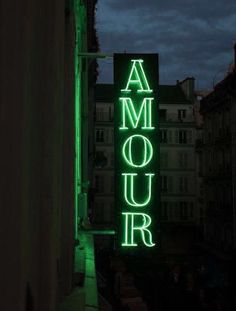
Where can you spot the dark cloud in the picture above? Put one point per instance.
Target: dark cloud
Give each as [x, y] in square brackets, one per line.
[194, 39]
[207, 9]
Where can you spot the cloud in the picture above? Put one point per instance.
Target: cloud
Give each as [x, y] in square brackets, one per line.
[194, 39]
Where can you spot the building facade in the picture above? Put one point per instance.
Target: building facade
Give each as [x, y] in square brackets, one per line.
[219, 113]
[44, 85]
[103, 180]
[177, 166]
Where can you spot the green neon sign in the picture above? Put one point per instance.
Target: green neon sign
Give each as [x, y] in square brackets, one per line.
[137, 78]
[129, 113]
[136, 150]
[131, 227]
[146, 151]
[129, 189]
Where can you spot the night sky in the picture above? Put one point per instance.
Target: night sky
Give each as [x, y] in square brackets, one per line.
[193, 37]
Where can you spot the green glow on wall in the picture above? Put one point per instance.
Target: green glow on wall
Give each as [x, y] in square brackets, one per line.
[137, 78]
[130, 228]
[128, 148]
[80, 25]
[145, 111]
[136, 149]
[129, 189]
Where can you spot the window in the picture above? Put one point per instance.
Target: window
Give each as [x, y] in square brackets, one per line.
[163, 136]
[183, 210]
[100, 135]
[169, 136]
[176, 210]
[170, 211]
[183, 159]
[164, 210]
[100, 116]
[99, 183]
[111, 113]
[163, 160]
[163, 183]
[181, 114]
[170, 183]
[112, 184]
[183, 184]
[191, 213]
[166, 184]
[100, 159]
[111, 135]
[182, 137]
[112, 159]
[162, 115]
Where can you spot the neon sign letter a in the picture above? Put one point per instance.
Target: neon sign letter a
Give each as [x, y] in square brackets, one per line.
[137, 78]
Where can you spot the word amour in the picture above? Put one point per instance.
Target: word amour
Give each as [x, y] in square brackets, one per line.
[136, 103]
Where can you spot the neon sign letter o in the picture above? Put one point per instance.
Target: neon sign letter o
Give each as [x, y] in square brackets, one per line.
[147, 150]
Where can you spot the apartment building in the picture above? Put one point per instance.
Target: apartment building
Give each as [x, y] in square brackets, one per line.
[219, 112]
[177, 166]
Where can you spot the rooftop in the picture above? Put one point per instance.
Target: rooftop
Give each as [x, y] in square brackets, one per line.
[168, 94]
